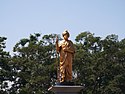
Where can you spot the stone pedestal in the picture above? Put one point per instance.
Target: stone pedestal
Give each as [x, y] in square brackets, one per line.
[64, 89]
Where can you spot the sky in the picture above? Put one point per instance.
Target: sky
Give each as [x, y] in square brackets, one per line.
[20, 18]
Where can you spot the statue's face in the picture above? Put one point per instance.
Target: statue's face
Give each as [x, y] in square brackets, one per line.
[66, 37]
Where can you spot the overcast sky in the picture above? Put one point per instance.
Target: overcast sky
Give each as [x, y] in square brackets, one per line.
[20, 18]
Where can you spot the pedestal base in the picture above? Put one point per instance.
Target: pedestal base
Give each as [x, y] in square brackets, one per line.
[64, 89]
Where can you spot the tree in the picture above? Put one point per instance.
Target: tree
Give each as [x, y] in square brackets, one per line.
[86, 46]
[99, 64]
[34, 63]
[5, 68]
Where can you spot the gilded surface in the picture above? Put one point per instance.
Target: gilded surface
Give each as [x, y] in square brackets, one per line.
[66, 51]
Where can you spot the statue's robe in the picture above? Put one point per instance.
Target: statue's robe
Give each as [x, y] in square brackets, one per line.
[66, 51]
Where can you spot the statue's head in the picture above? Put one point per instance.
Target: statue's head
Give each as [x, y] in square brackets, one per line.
[65, 32]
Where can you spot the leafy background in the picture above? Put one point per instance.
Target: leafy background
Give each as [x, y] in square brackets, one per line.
[99, 64]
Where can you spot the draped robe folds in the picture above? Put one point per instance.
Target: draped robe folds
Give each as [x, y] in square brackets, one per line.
[66, 51]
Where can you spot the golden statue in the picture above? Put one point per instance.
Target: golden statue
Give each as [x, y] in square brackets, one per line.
[66, 50]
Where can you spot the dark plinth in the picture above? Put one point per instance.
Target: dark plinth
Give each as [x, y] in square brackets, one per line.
[65, 89]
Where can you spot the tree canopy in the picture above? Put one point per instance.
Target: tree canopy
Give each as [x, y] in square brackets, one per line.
[99, 64]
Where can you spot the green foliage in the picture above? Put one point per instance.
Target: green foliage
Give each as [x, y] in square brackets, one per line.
[34, 63]
[5, 68]
[99, 64]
